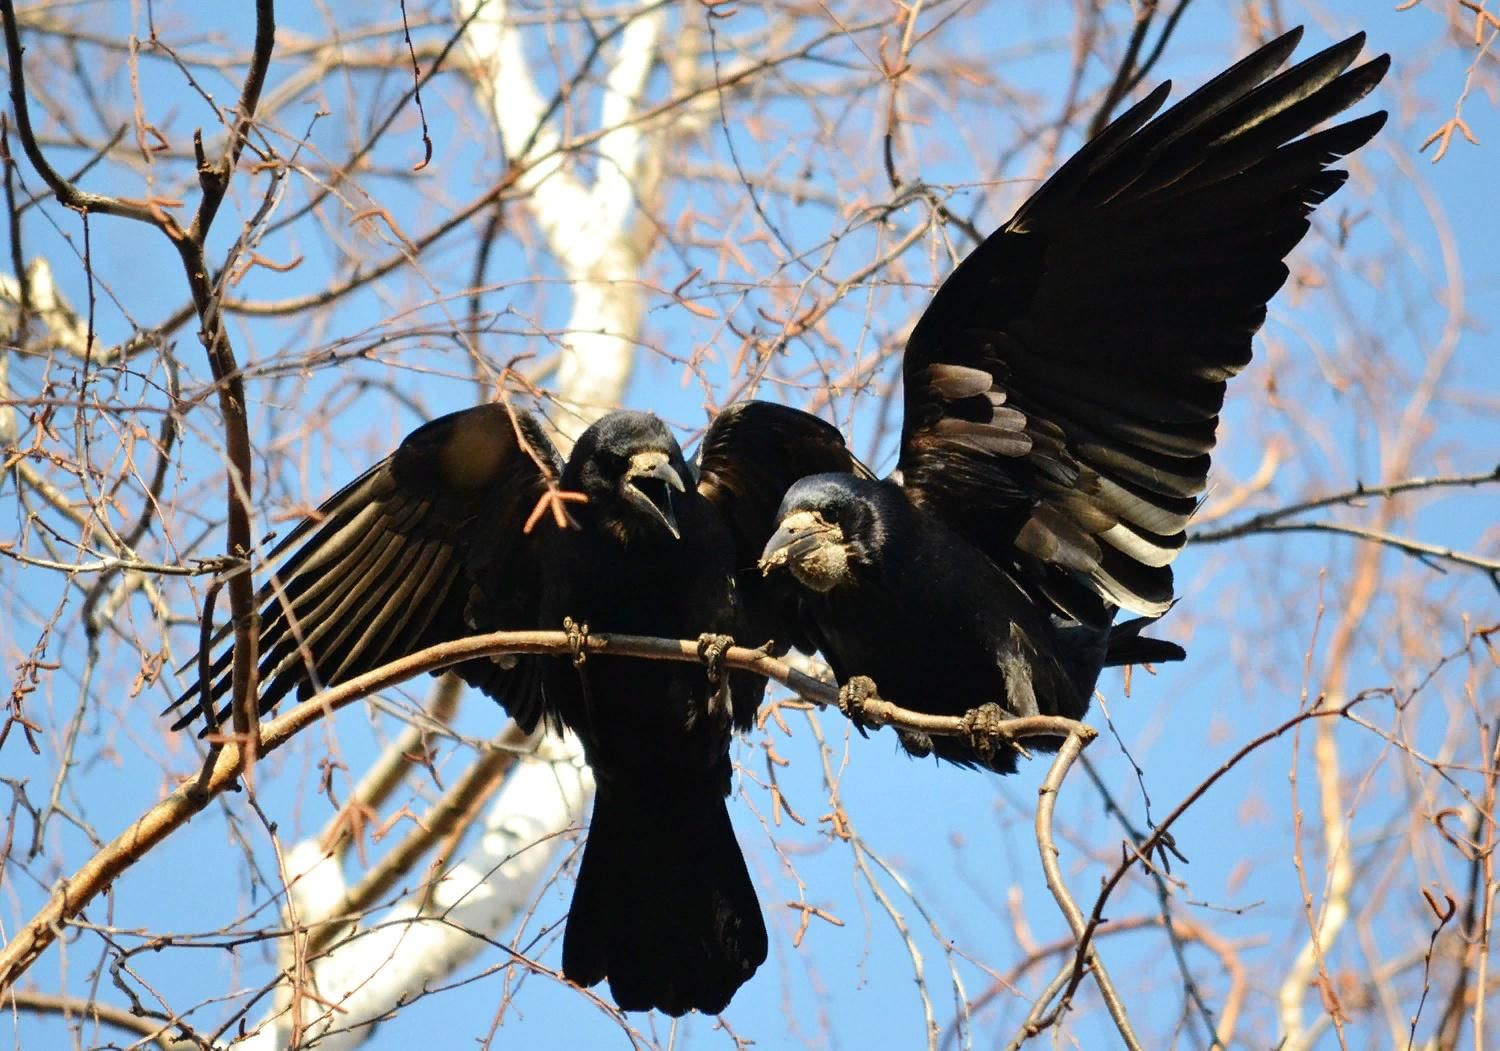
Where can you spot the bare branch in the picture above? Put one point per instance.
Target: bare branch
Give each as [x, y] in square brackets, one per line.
[1355, 496]
[229, 762]
[1039, 1018]
[157, 1031]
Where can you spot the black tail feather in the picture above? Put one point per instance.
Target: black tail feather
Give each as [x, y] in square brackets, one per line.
[664, 907]
[1128, 646]
[1085, 651]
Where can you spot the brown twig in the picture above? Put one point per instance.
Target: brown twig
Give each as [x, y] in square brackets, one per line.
[1047, 846]
[1218, 1032]
[213, 178]
[1188, 930]
[1128, 74]
[1418, 549]
[445, 816]
[1275, 521]
[156, 1030]
[412, 748]
[1157, 839]
[1360, 492]
[69, 195]
[228, 764]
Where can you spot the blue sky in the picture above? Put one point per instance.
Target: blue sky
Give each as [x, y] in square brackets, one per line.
[1342, 358]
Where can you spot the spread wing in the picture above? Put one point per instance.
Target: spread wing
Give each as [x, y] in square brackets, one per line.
[425, 547]
[751, 454]
[1064, 385]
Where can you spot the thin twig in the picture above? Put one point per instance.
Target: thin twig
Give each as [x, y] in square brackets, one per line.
[1260, 522]
[1047, 847]
[1155, 841]
[156, 1030]
[461, 801]
[224, 770]
[213, 178]
[68, 195]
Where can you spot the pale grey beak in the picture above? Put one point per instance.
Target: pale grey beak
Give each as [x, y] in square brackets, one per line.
[801, 533]
[790, 542]
[648, 483]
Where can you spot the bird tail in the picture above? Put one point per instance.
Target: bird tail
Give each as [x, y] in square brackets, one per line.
[664, 907]
[1128, 646]
[1085, 651]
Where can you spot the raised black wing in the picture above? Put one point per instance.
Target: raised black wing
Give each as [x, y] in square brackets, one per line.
[1063, 388]
[750, 456]
[425, 547]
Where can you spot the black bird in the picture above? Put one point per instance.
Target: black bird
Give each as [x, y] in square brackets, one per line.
[1062, 391]
[429, 546]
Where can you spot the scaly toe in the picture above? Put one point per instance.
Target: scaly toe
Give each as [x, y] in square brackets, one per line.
[711, 650]
[852, 697]
[984, 728]
[578, 639]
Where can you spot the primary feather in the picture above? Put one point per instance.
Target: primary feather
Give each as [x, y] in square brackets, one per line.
[1062, 394]
[429, 546]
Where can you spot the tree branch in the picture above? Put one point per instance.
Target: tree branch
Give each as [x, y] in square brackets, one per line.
[75, 892]
[1047, 847]
[1360, 492]
[156, 1030]
[1275, 521]
[191, 245]
[67, 194]
[1418, 549]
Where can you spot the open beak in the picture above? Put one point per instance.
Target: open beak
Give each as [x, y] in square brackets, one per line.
[801, 533]
[648, 483]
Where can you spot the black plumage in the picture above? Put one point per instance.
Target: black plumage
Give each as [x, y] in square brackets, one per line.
[1061, 398]
[1062, 393]
[429, 545]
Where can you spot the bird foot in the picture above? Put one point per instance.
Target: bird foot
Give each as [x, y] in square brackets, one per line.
[578, 639]
[984, 728]
[711, 650]
[854, 696]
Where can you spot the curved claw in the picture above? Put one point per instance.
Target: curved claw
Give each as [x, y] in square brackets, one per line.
[852, 697]
[720, 705]
[984, 728]
[578, 640]
[711, 650]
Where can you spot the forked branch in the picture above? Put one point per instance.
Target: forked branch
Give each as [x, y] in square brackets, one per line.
[75, 892]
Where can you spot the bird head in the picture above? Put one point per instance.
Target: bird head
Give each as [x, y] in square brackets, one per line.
[630, 467]
[826, 529]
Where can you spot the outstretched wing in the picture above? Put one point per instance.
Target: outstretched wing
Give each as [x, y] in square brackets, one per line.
[426, 546]
[1064, 386]
[750, 456]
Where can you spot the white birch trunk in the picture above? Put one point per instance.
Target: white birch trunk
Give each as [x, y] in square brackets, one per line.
[591, 231]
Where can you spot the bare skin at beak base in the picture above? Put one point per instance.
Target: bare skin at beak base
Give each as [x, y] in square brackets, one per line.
[655, 469]
[811, 547]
